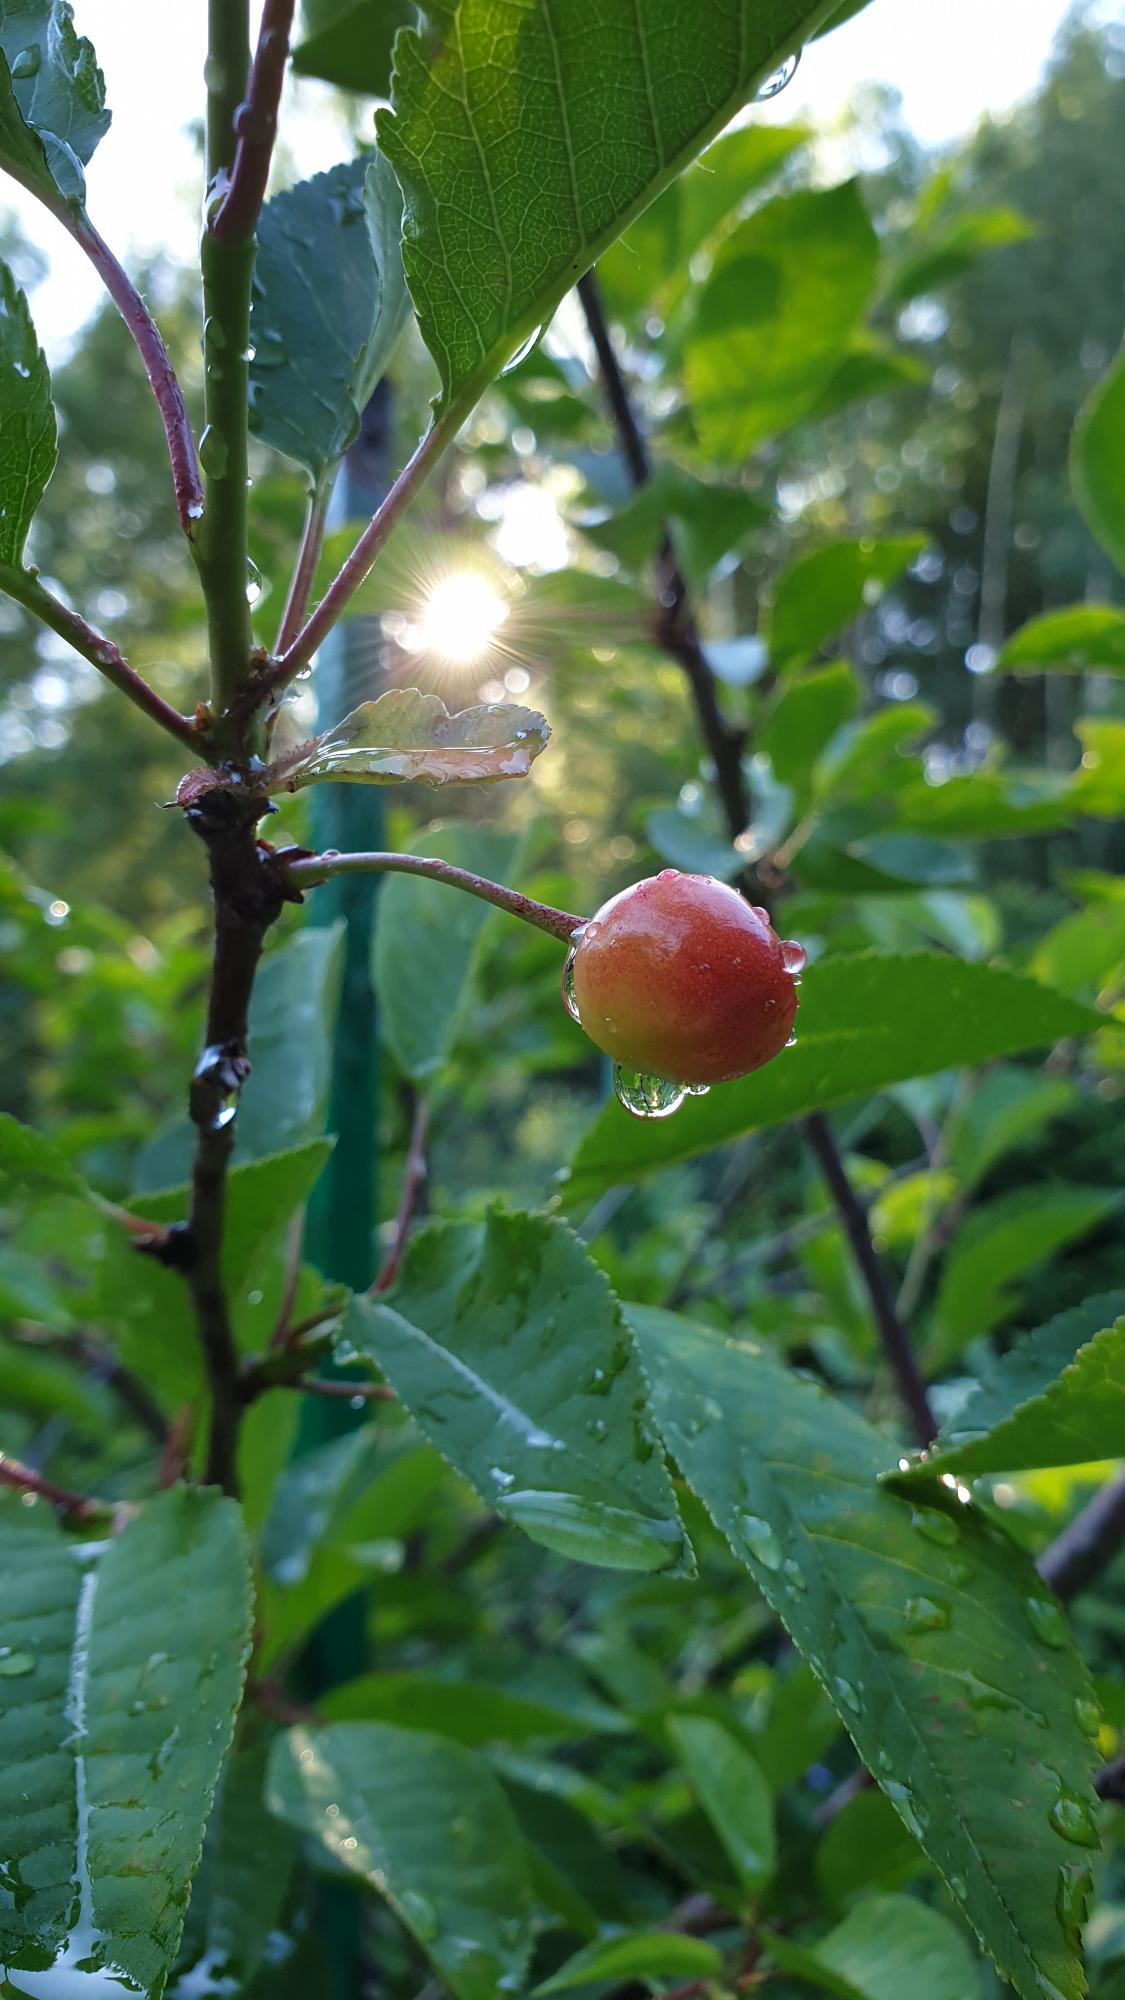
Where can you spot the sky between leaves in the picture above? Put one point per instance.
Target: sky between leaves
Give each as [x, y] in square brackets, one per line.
[952, 60]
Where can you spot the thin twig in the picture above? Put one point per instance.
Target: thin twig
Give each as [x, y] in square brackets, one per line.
[255, 125]
[321, 1317]
[892, 1333]
[307, 871]
[78, 1505]
[677, 630]
[293, 1248]
[186, 481]
[1089, 1544]
[304, 569]
[359, 564]
[413, 1180]
[101, 653]
[133, 1394]
[342, 1392]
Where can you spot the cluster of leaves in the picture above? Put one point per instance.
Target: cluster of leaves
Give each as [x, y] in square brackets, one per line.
[584, 1756]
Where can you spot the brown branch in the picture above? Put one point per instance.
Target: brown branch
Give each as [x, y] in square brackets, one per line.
[677, 629]
[304, 569]
[255, 125]
[25, 587]
[1089, 1544]
[78, 1505]
[413, 1181]
[305, 872]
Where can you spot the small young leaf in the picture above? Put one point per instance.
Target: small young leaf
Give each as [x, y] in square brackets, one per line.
[31, 1165]
[733, 1792]
[1029, 1366]
[52, 99]
[423, 1821]
[1001, 1241]
[28, 440]
[112, 1729]
[329, 304]
[1084, 639]
[864, 1022]
[819, 594]
[507, 1345]
[806, 716]
[1097, 461]
[923, 1626]
[886, 1946]
[511, 194]
[406, 737]
[648, 1955]
[954, 249]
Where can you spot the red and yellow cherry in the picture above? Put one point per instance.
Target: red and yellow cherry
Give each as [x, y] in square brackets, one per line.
[679, 977]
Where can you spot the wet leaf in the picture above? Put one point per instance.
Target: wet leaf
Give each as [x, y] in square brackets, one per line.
[113, 1735]
[28, 441]
[329, 304]
[510, 195]
[864, 1022]
[506, 1344]
[423, 1821]
[237, 1895]
[1000, 1242]
[52, 100]
[406, 737]
[646, 1955]
[886, 1946]
[918, 1623]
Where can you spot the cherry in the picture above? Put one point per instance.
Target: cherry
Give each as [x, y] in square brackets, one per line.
[679, 977]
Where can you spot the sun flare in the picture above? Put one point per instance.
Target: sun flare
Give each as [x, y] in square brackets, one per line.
[460, 618]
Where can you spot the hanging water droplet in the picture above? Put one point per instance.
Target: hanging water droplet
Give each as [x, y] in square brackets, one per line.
[760, 1540]
[646, 1096]
[1047, 1620]
[939, 1528]
[1071, 1817]
[795, 1574]
[569, 1000]
[213, 452]
[357, 1402]
[14, 1664]
[697, 1089]
[253, 582]
[847, 1694]
[924, 1614]
[522, 352]
[794, 958]
[958, 1888]
[270, 350]
[1087, 1715]
[598, 1429]
[1072, 1894]
[776, 83]
[759, 912]
[226, 1113]
[792, 1041]
[27, 63]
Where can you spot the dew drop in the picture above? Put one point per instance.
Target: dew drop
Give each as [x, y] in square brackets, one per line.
[760, 1540]
[269, 349]
[1072, 1894]
[646, 1096]
[847, 1694]
[883, 1760]
[253, 582]
[522, 352]
[213, 452]
[794, 957]
[916, 1819]
[939, 1528]
[598, 1429]
[14, 1664]
[697, 1089]
[1088, 1716]
[795, 1574]
[1047, 1620]
[775, 84]
[569, 999]
[958, 1888]
[27, 63]
[1071, 1817]
[924, 1614]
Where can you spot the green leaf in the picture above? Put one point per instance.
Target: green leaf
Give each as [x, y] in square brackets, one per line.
[329, 304]
[407, 737]
[864, 1022]
[645, 1956]
[1030, 1365]
[112, 1730]
[805, 718]
[292, 1023]
[31, 1164]
[787, 289]
[511, 194]
[955, 249]
[237, 1897]
[706, 521]
[990, 805]
[1081, 954]
[1005, 1108]
[52, 99]
[886, 1946]
[425, 1822]
[1097, 461]
[426, 942]
[647, 270]
[819, 594]
[733, 1792]
[348, 42]
[1001, 1241]
[1085, 638]
[506, 1344]
[865, 1846]
[694, 842]
[1074, 1419]
[467, 1711]
[28, 440]
[919, 1626]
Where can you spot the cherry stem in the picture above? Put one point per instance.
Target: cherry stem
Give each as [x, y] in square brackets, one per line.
[311, 870]
[78, 1505]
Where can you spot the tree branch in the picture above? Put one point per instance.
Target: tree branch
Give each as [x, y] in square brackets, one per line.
[413, 1180]
[306, 872]
[677, 631]
[27, 590]
[186, 482]
[1090, 1542]
[255, 124]
[77, 1505]
[304, 569]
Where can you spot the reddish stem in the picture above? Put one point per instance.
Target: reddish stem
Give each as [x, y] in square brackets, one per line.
[367, 1392]
[308, 555]
[161, 374]
[255, 125]
[316, 868]
[77, 1505]
[414, 1175]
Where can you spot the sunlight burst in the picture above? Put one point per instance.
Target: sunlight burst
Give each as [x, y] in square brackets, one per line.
[461, 617]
